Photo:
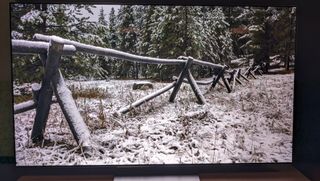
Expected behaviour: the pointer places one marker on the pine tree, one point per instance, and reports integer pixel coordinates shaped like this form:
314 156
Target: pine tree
62 20
102 32
283 33
127 37
113 38
215 37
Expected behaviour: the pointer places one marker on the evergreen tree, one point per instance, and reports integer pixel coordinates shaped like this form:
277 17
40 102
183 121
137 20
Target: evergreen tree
127 37
102 32
284 33
215 37
62 20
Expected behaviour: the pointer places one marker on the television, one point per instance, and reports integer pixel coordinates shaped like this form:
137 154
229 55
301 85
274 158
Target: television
152 85
305 103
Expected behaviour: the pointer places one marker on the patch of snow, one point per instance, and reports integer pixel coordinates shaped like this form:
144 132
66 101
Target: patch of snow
253 124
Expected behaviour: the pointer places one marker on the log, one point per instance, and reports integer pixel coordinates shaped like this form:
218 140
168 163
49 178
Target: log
233 81
226 84
123 55
245 78
31 104
45 93
146 98
37 47
24 106
27 106
180 79
195 88
250 73
217 78
204 63
111 53
239 81
64 96
35 87
142 85
198 82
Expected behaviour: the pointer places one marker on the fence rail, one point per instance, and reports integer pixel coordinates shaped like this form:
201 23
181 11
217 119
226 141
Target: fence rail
51 48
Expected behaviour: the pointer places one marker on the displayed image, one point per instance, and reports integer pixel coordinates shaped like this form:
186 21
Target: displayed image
152 84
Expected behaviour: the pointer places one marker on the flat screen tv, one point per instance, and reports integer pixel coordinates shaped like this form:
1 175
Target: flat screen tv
152 85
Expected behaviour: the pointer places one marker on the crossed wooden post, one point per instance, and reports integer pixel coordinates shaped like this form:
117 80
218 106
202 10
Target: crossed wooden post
185 73
53 82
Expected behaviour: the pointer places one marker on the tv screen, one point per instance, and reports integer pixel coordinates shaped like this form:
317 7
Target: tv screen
152 84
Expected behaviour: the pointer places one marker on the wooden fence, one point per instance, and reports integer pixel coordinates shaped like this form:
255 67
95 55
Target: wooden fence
51 48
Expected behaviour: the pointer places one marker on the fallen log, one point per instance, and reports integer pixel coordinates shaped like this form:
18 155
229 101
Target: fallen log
146 98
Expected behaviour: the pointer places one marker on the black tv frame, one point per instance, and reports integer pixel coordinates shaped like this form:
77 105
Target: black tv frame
306 135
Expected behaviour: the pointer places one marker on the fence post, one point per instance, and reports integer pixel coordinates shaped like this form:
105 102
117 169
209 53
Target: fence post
241 75
237 76
45 93
180 79
226 83
217 78
78 127
195 88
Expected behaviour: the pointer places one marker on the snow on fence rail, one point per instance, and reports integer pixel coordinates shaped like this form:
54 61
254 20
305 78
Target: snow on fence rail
51 48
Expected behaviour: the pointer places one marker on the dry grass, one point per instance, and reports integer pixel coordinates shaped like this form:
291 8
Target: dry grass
22 98
91 93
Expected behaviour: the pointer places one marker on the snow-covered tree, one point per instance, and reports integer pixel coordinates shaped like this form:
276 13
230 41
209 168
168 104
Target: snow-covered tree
215 37
127 37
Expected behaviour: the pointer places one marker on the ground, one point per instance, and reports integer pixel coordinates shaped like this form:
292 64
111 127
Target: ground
253 124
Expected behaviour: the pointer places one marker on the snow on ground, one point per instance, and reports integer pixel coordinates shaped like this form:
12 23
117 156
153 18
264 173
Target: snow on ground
250 125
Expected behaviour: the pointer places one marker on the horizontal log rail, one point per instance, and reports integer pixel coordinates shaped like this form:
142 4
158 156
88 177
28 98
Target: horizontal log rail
27 106
81 47
37 47
123 55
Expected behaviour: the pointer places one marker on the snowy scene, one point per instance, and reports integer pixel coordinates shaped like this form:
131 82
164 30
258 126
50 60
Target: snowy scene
129 84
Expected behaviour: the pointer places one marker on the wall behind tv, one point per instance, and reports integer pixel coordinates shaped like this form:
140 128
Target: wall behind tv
6 124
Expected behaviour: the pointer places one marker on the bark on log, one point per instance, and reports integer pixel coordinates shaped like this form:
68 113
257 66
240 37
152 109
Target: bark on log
226 84
245 78
64 96
239 81
195 88
123 55
250 73
45 93
27 106
233 81
146 98
111 53
198 82
180 79
24 106
204 63
31 104
217 78
37 47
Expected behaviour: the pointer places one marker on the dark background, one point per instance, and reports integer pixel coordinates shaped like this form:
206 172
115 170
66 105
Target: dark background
306 143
